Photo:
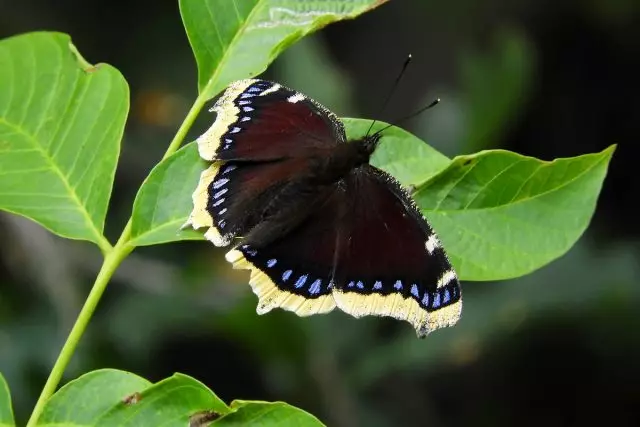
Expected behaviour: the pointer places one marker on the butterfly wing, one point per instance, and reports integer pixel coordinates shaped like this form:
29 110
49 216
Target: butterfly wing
390 261
232 197
260 120
365 248
265 138
294 272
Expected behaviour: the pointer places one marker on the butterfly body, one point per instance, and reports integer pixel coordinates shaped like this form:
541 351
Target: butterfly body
320 227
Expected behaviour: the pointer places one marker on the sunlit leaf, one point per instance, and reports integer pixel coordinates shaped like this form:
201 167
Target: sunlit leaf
502 215
83 401
6 412
234 39
61 121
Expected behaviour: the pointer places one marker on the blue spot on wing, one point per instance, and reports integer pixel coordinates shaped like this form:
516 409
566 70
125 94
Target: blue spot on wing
360 285
398 285
228 169
414 291
425 299
315 287
300 281
286 275
377 286
272 262
436 300
446 298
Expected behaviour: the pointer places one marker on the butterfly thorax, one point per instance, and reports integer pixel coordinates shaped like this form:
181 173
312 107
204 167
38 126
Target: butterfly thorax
342 159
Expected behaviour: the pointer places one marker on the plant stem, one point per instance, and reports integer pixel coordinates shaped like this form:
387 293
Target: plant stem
112 259
111 262
185 126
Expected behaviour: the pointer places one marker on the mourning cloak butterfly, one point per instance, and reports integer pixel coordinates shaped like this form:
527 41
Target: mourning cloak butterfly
321 227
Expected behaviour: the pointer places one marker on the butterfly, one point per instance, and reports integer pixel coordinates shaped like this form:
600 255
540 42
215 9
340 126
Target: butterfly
321 228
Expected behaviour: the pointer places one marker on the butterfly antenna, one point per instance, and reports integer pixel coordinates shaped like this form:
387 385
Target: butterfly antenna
412 115
392 91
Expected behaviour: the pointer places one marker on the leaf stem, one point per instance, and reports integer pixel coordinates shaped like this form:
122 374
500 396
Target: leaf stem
112 259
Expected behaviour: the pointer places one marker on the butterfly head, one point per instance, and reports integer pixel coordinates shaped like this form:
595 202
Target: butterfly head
369 143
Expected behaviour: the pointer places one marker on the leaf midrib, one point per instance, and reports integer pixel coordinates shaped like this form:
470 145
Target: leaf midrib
102 242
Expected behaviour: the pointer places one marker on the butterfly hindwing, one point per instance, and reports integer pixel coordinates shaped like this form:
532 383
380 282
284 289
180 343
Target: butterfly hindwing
390 261
295 271
260 120
365 248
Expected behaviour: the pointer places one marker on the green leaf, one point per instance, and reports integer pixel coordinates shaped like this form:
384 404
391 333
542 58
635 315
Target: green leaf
502 215
171 402
265 414
409 159
164 200
6 412
61 121
83 401
235 39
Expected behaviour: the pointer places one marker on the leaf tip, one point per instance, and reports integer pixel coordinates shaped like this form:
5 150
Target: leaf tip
610 149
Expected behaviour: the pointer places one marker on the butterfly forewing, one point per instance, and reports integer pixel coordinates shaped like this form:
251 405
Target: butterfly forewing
262 120
232 197
264 136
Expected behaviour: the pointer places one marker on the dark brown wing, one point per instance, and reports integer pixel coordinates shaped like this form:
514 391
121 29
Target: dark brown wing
295 271
390 261
363 247
263 141
260 120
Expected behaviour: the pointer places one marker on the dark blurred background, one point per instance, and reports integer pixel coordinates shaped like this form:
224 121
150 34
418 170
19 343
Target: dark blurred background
560 347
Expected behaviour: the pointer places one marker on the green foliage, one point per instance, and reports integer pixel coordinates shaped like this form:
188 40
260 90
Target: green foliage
61 122
164 200
267 414
6 413
232 39
498 213
109 397
86 400
503 215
